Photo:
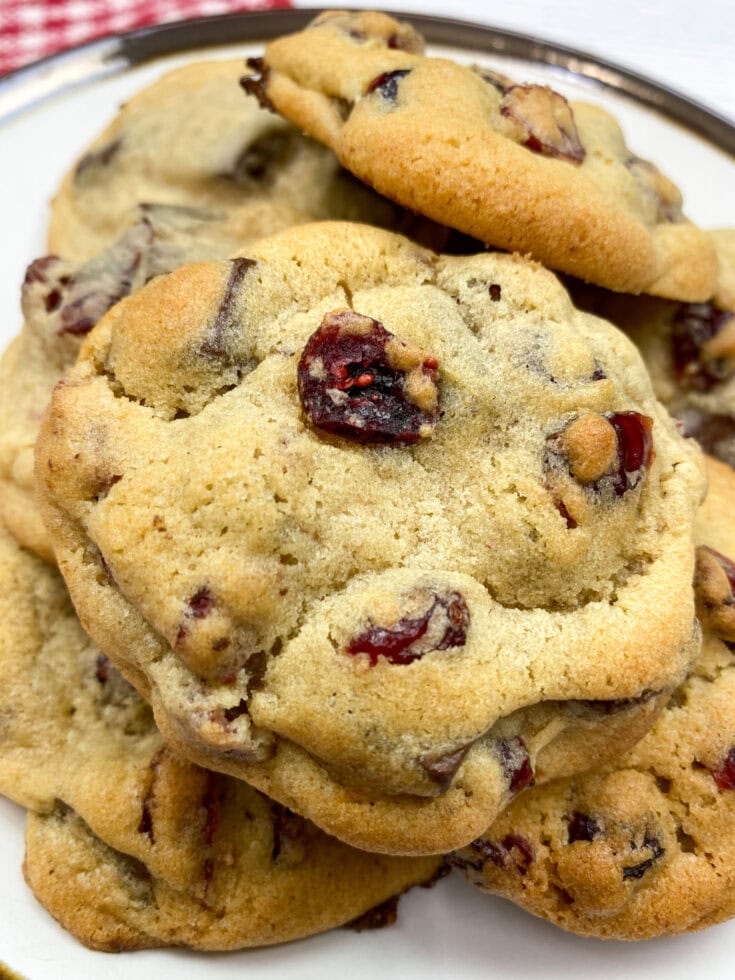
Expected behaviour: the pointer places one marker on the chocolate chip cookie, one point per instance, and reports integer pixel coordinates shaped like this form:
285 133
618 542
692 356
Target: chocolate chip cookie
643 847
383 533
514 165
130 845
62 300
191 139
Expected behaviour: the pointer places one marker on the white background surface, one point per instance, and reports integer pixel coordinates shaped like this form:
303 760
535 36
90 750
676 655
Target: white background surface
452 931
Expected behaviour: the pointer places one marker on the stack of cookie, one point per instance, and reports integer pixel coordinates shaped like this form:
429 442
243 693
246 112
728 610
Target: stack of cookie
379 553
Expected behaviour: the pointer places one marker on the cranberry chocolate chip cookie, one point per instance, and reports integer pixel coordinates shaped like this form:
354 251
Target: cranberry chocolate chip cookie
62 300
190 139
646 846
516 166
386 534
130 845
689 350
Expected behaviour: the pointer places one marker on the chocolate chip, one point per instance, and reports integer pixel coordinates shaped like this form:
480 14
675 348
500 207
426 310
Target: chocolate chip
582 827
379 917
387 83
216 343
257 83
516 763
442 769
98 158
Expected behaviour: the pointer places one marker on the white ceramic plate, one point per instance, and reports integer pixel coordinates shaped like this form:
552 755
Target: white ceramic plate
51 113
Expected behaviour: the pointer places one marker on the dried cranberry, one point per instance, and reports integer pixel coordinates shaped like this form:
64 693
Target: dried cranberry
445 621
387 83
102 668
357 380
582 827
516 763
201 603
546 120
693 326
635 448
725 775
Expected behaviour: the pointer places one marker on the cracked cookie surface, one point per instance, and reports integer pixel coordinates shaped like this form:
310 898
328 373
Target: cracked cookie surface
515 166
128 844
393 621
645 846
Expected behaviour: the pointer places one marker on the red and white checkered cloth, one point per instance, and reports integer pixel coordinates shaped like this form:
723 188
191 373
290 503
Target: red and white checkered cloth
30 29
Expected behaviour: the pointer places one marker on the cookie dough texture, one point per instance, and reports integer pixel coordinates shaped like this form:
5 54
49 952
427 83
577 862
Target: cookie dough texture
129 845
228 554
452 142
61 301
192 139
642 847
689 350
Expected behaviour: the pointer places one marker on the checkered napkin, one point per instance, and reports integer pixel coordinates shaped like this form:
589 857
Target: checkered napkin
30 29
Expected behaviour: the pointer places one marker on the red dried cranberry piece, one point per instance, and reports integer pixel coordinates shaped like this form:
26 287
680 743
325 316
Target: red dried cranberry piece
581 826
516 763
399 644
357 380
201 603
725 775
635 448
102 668
546 119
693 326
387 83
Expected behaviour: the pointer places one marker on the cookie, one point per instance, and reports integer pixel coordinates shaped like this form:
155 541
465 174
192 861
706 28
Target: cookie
516 166
644 847
190 139
378 531
61 301
110 902
131 846
689 350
